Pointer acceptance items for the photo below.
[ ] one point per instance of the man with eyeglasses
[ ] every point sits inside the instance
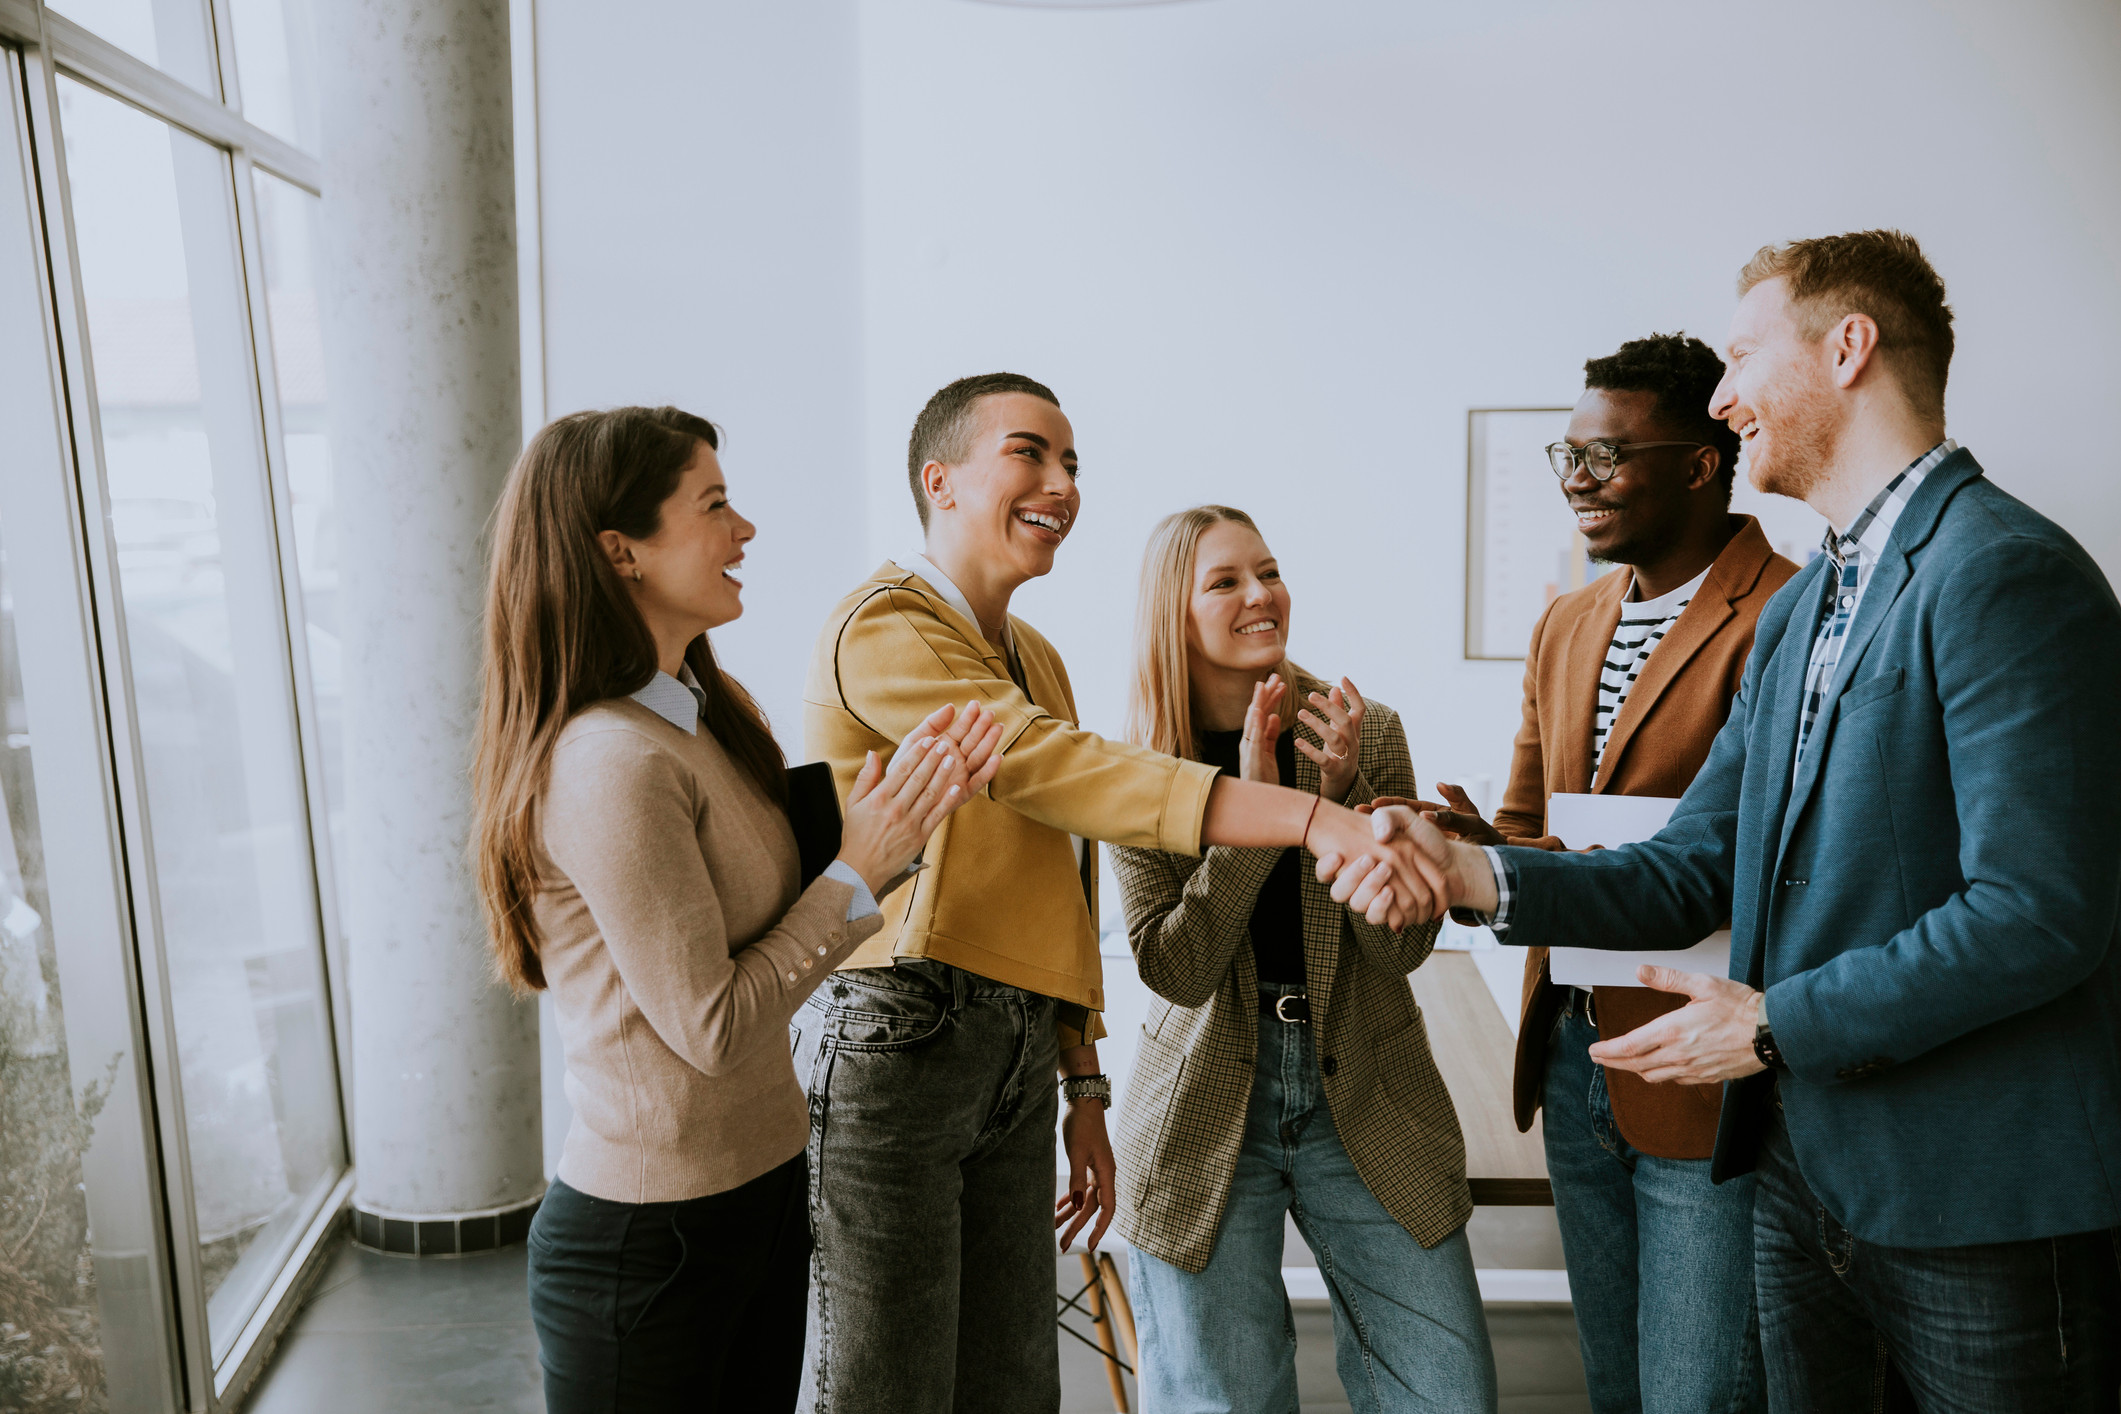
(1626, 683)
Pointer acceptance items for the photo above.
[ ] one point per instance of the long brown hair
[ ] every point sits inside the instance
(1160, 702)
(562, 633)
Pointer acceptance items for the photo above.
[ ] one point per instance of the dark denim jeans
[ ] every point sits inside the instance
(933, 1101)
(1660, 1259)
(1993, 1329)
(1408, 1329)
(694, 1306)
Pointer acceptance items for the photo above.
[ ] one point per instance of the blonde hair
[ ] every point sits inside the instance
(1160, 701)
(1880, 273)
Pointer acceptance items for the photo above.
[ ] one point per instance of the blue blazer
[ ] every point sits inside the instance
(1932, 905)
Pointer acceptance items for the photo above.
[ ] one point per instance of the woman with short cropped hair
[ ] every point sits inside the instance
(1285, 1070)
(634, 854)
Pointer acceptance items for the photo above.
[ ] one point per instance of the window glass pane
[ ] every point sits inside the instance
(288, 234)
(173, 35)
(276, 66)
(52, 1358)
(225, 813)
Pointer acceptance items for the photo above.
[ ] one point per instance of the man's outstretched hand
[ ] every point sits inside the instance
(1707, 1040)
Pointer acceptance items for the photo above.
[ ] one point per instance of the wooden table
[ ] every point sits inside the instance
(1476, 1052)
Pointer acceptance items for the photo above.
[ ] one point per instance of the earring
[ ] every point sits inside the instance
(636, 576)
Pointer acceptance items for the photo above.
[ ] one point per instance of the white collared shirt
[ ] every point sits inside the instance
(680, 701)
(953, 596)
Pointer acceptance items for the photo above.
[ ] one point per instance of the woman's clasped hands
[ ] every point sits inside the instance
(892, 810)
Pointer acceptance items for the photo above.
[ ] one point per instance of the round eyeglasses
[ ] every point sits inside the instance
(1601, 459)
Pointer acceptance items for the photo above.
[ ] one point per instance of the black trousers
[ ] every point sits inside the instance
(693, 1306)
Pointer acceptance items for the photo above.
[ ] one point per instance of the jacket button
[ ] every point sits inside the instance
(831, 937)
(1327, 1065)
(791, 976)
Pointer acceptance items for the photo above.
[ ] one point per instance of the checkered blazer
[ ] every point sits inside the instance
(1182, 1118)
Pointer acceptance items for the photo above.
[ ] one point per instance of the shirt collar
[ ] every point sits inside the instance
(954, 597)
(678, 701)
(1872, 531)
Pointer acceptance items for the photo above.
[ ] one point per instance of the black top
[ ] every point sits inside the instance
(1278, 913)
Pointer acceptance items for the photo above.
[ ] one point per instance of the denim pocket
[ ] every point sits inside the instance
(861, 1017)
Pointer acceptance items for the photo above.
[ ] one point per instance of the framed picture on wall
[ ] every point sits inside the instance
(1522, 546)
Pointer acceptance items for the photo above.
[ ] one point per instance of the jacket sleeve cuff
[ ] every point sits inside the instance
(1505, 890)
(1186, 807)
(818, 933)
(1075, 1025)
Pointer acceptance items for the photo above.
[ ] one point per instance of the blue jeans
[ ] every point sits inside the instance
(1660, 1259)
(1992, 1329)
(1408, 1329)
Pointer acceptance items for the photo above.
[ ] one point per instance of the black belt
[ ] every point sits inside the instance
(1285, 1006)
(1577, 1002)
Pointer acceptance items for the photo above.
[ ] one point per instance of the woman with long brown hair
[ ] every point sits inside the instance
(635, 856)
(1285, 1070)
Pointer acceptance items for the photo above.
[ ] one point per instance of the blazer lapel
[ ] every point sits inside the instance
(949, 615)
(1732, 575)
(1590, 640)
(1895, 568)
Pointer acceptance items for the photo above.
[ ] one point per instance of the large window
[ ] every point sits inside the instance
(172, 1135)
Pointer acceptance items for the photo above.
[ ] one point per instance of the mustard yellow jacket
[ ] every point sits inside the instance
(1003, 896)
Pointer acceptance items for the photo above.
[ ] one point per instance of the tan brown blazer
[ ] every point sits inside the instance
(1657, 744)
(1182, 1119)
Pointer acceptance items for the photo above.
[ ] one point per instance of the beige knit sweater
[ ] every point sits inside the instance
(678, 948)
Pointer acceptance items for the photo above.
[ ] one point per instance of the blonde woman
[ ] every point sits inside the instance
(1286, 1070)
(634, 854)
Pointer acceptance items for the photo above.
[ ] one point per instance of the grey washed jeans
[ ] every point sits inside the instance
(932, 1106)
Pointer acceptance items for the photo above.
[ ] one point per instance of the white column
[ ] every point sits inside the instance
(420, 329)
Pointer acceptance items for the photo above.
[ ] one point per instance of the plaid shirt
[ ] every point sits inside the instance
(1855, 554)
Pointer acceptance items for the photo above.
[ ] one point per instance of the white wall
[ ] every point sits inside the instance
(698, 185)
(1270, 254)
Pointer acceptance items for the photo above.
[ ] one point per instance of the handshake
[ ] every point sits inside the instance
(1409, 871)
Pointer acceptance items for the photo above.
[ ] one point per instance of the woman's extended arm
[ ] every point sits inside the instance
(1248, 814)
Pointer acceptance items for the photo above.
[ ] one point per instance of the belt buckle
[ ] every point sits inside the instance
(1282, 1001)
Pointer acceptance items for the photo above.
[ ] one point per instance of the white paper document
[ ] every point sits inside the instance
(1580, 821)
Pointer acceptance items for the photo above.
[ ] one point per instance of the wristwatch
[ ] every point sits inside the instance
(1764, 1046)
(1087, 1087)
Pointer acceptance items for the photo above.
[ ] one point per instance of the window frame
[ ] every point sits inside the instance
(38, 47)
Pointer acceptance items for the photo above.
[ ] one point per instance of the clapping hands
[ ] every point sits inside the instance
(940, 765)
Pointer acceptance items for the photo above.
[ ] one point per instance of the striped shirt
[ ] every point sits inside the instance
(1643, 625)
(1855, 553)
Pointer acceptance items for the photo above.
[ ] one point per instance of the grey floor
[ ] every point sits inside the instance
(393, 1335)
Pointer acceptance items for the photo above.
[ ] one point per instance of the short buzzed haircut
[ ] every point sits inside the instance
(1683, 372)
(943, 431)
(1880, 273)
